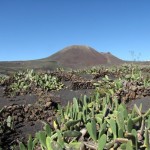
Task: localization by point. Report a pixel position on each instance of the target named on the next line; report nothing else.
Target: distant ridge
(80, 56)
(75, 57)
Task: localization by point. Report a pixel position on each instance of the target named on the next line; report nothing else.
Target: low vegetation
(96, 124)
(26, 81)
(101, 121)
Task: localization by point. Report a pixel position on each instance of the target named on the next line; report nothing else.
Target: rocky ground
(30, 109)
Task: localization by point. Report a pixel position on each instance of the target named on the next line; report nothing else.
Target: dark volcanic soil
(30, 109)
(23, 99)
(24, 127)
(145, 101)
(66, 96)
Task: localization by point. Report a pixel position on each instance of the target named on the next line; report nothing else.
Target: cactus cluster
(6, 125)
(99, 123)
(29, 80)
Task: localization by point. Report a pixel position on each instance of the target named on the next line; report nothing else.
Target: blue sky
(32, 29)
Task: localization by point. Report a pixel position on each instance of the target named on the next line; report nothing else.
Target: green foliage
(23, 81)
(146, 141)
(113, 127)
(91, 128)
(102, 142)
(129, 125)
(70, 133)
(105, 120)
(120, 120)
(6, 124)
(22, 146)
(129, 145)
(108, 129)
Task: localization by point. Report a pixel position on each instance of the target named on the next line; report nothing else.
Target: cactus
(76, 107)
(102, 129)
(147, 113)
(102, 142)
(70, 133)
(146, 139)
(79, 117)
(9, 122)
(120, 133)
(113, 128)
(123, 146)
(91, 127)
(22, 146)
(137, 119)
(135, 142)
(148, 123)
(71, 123)
(137, 110)
(120, 120)
(98, 118)
(74, 146)
(49, 143)
(42, 138)
(30, 143)
(129, 145)
(48, 130)
(85, 102)
(129, 125)
(60, 139)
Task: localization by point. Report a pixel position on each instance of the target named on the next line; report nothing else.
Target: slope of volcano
(78, 56)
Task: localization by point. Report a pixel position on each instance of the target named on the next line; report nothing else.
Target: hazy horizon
(37, 29)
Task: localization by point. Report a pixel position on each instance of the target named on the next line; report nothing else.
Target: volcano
(79, 56)
(75, 57)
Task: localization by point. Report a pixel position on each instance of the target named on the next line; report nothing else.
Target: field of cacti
(86, 109)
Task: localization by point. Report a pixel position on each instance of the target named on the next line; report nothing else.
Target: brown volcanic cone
(78, 56)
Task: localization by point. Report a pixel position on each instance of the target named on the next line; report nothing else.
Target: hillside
(78, 56)
(111, 59)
